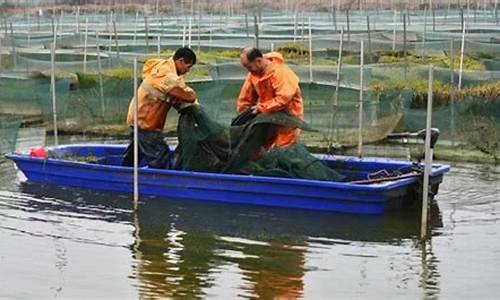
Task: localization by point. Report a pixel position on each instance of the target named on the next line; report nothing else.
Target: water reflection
(195, 249)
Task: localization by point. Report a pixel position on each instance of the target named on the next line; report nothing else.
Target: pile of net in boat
(207, 146)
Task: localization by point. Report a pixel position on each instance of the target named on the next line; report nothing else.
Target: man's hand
(255, 109)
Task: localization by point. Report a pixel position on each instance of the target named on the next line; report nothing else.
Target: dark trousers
(153, 151)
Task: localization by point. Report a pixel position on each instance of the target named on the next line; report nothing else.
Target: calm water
(69, 243)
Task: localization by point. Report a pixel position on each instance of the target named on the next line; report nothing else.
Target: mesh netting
(206, 146)
(394, 85)
(9, 127)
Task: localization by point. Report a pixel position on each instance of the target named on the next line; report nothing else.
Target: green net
(9, 127)
(206, 146)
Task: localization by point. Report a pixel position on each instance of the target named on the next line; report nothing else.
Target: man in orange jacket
(162, 87)
(271, 86)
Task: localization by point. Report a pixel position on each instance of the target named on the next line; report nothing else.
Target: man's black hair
(186, 54)
(253, 54)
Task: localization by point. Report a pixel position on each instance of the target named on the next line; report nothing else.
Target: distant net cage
(383, 112)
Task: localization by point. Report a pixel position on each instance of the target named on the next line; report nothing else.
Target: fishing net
(9, 127)
(207, 146)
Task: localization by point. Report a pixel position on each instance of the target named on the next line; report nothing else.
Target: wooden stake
(147, 32)
(428, 159)
(337, 86)
(53, 90)
(99, 74)
(85, 45)
(461, 70)
(189, 33)
(116, 41)
(360, 105)
(394, 31)
(369, 35)
(310, 53)
(256, 26)
(136, 141)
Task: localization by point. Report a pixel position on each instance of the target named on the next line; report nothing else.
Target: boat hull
(255, 190)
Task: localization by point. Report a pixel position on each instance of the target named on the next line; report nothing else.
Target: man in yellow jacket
(162, 87)
(271, 86)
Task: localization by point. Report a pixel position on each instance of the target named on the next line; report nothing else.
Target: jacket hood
(275, 57)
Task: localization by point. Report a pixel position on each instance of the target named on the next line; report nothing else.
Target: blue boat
(66, 166)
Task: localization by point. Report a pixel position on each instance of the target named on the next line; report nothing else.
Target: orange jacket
(276, 90)
(160, 89)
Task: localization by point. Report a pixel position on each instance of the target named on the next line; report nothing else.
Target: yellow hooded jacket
(276, 90)
(161, 88)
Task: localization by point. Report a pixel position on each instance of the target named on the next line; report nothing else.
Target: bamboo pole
(210, 32)
(462, 21)
(425, 31)
(162, 26)
(246, 25)
(183, 35)
(462, 48)
(310, 52)
(99, 74)
(256, 26)
(53, 90)
(189, 33)
(110, 42)
(404, 35)
(78, 20)
(369, 35)
(13, 44)
(29, 31)
(360, 105)
(348, 29)
(61, 30)
(302, 29)
(295, 27)
(116, 40)
(428, 159)
(452, 93)
(452, 63)
(337, 86)
(136, 141)
(433, 19)
(158, 42)
(135, 27)
(85, 45)
(147, 32)
(394, 31)
(199, 30)
(334, 19)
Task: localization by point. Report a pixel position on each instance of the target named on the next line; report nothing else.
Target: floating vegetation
(442, 92)
(488, 91)
(294, 51)
(298, 54)
(87, 80)
(58, 74)
(399, 57)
